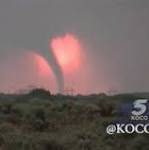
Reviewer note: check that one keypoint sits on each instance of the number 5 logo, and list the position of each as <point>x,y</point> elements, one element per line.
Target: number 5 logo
<point>140,107</point>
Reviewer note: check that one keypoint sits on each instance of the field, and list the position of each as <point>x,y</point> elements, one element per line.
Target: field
<point>38,120</point>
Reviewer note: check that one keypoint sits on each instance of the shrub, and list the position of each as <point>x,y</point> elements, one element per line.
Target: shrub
<point>40,93</point>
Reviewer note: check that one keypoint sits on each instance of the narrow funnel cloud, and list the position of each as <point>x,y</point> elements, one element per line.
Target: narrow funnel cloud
<point>56,68</point>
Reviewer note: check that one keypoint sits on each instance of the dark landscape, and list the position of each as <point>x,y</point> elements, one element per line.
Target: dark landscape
<point>38,120</point>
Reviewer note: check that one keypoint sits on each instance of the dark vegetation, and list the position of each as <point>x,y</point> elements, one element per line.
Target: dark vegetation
<point>39,120</point>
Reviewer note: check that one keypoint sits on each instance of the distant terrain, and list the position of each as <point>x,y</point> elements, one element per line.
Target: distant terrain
<point>38,120</point>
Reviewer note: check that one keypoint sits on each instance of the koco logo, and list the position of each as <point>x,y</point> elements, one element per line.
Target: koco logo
<point>139,109</point>
<point>135,120</point>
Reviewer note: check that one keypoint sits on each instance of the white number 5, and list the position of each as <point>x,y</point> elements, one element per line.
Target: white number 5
<point>140,106</point>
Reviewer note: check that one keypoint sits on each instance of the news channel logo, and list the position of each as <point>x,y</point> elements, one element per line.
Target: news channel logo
<point>134,118</point>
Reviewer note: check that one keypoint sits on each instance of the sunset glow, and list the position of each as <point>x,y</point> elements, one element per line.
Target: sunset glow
<point>68,52</point>
<point>42,66</point>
